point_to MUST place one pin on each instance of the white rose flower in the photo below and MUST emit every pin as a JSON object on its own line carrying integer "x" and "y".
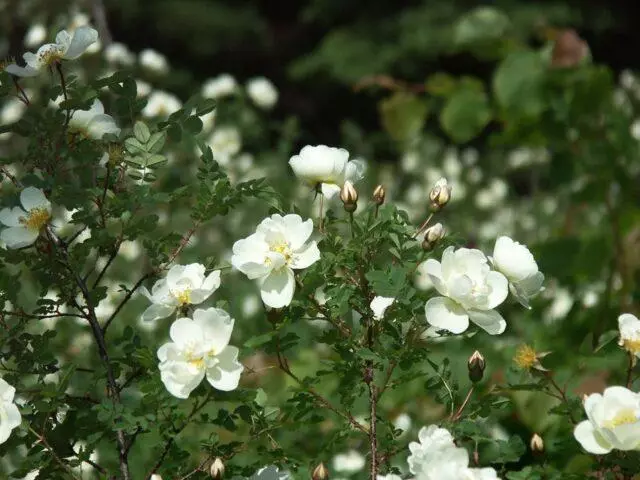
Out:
{"x": 225, "y": 142}
{"x": 221, "y": 86}
{"x": 24, "y": 224}
{"x": 349, "y": 462}
{"x": 161, "y": 104}
{"x": 10, "y": 416}
{"x": 93, "y": 123}
{"x": 200, "y": 348}
{"x": 262, "y": 92}
{"x": 389, "y": 476}
{"x": 153, "y": 61}
{"x": 119, "y": 53}
{"x": 629, "y": 327}
{"x": 379, "y": 305}
{"x": 279, "y": 246}
{"x": 516, "y": 263}
{"x": 183, "y": 285}
{"x": 487, "y": 473}
{"x": 470, "y": 289}
{"x": 67, "y": 47}
{"x": 328, "y": 166}
{"x": 613, "y": 421}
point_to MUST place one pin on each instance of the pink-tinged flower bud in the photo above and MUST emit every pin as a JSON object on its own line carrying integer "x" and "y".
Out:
{"x": 217, "y": 469}
{"x": 536, "y": 443}
{"x": 349, "y": 196}
{"x": 320, "y": 472}
{"x": 432, "y": 236}
{"x": 379, "y": 195}
{"x": 439, "y": 195}
{"x": 476, "y": 366}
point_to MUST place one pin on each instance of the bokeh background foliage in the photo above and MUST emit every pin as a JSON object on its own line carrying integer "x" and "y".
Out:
{"x": 532, "y": 122}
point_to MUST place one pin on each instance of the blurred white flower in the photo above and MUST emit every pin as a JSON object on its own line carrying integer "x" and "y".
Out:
{"x": 629, "y": 327}
{"x": 93, "y": 123}
{"x": 155, "y": 476}
{"x": 199, "y": 348}
{"x": 389, "y": 476}
{"x": 250, "y": 305}
{"x": 635, "y": 129}
{"x": 487, "y": 473}
{"x": 24, "y": 224}
{"x": 470, "y": 289}
{"x": 161, "y": 104}
{"x": 225, "y": 142}
{"x": 67, "y": 47}
{"x": 613, "y": 421}
{"x": 11, "y": 112}
{"x": 328, "y": 166}
{"x": 516, "y": 263}
{"x": 262, "y": 92}
{"x": 421, "y": 279}
{"x": 561, "y": 304}
{"x": 183, "y": 285}
{"x": 10, "y": 416}
{"x": 119, "y": 53}
{"x": 474, "y": 174}
{"x": 451, "y": 164}
{"x": 221, "y": 86}
{"x": 35, "y": 35}
{"x": 402, "y": 422}
{"x": 142, "y": 88}
{"x": 208, "y": 120}
{"x": 153, "y": 61}
{"x": 410, "y": 161}
{"x": 379, "y": 305}
{"x": 349, "y": 462}
{"x": 279, "y": 245}
{"x": 435, "y": 456}
{"x": 270, "y": 473}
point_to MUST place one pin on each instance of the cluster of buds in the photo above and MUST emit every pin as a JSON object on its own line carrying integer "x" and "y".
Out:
{"x": 476, "y": 366}
{"x": 349, "y": 196}
{"x": 432, "y": 236}
{"x": 439, "y": 195}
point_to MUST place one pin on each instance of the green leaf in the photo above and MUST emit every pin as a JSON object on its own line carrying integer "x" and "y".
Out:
{"x": 465, "y": 115}
{"x": 403, "y": 115}
{"x": 156, "y": 142}
{"x": 480, "y": 25}
{"x": 193, "y": 125}
{"x": 134, "y": 147}
{"x": 518, "y": 84}
{"x": 141, "y": 132}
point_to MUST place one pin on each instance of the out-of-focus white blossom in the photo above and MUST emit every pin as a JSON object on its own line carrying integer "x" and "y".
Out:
{"x": 119, "y": 54}
{"x": 161, "y": 104}
{"x": 221, "y": 86}
{"x": 349, "y": 462}
{"x": 225, "y": 142}
{"x": 629, "y": 327}
{"x": 153, "y": 61}
{"x": 36, "y": 34}
{"x": 93, "y": 123}
{"x": 613, "y": 421}
{"x": 262, "y": 92}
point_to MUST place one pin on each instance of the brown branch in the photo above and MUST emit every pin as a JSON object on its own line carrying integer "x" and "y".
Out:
{"x": 124, "y": 301}
{"x": 458, "y": 414}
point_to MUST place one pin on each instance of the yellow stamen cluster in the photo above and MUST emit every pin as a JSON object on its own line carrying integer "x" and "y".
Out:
{"x": 48, "y": 56}
{"x": 526, "y": 357}
{"x": 183, "y": 297}
{"x": 626, "y": 416}
{"x": 632, "y": 346}
{"x": 284, "y": 250}
{"x": 36, "y": 219}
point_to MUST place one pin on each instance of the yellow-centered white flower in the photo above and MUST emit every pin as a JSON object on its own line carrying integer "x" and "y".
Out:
{"x": 516, "y": 262}
{"x": 200, "y": 348}
{"x": 24, "y": 224}
{"x": 66, "y": 47}
{"x": 613, "y": 421}
{"x": 328, "y": 166}
{"x": 183, "y": 285}
{"x": 93, "y": 123}
{"x": 10, "y": 416}
{"x": 470, "y": 289}
{"x": 629, "y": 327}
{"x": 279, "y": 246}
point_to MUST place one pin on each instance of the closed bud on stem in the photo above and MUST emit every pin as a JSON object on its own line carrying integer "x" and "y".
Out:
{"x": 320, "y": 472}
{"x": 155, "y": 476}
{"x": 432, "y": 236}
{"x": 349, "y": 196}
{"x": 476, "y": 365}
{"x": 439, "y": 195}
{"x": 217, "y": 469}
{"x": 536, "y": 443}
{"x": 379, "y": 195}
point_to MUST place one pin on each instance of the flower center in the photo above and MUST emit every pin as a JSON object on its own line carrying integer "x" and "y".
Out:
{"x": 632, "y": 346}
{"x": 526, "y": 357}
{"x": 50, "y": 55}
{"x": 35, "y": 219}
{"x": 183, "y": 296}
{"x": 284, "y": 250}
{"x": 626, "y": 416}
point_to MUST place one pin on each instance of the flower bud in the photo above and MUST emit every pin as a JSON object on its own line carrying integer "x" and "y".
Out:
{"x": 432, "y": 236}
{"x": 217, "y": 469}
{"x": 536, "y": 443}
{"x": 320, "y": 472}
{"x": 155, "y": 476}
{"x": 379, "y": 195}
{"x": 349, "y": 196}
{"x": 476, "y": 365}
{"x": 439, "y": 195}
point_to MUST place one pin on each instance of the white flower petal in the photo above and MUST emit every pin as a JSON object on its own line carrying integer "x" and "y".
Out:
{"x": 82, "y": 38}
{"x": 32, "y": 197}
{"x": 19, "y": 71}
{"x": 156, "y": 312}
{"x": 330, "y": 190}
{"x": 489, "y": 320}
{"x": 11, "y": 216}
{"x": 444, "y": 313}
{"x": 433, "y": 269}
{"x": 225, "y": 375}
{"x": 18, "y": 237}
{"x": 590, "y": 441}
{"x": 216, "y": 326}
{"x": 185, "y": 332}
{"x": 379, "y": 306}
{"x": 305, "y": 257}
{"x": 499, "y": 289}
{"x": 277, "y": 288}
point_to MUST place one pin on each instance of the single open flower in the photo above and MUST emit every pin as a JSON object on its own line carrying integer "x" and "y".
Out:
{"x": 328, "y": 167}
{"x": 613, "y": 421}
{"x": 516, "y": 263}
{"x": 67, "y": 47}
{"x": 200, "y": 348}
{"x": 279, "y": 246}
{"x": 25, "y": 223}
{"x": 183, "y": 285}
{"x": 10, "y": 416}
{"x": 379, "y": 306}
{"x": 93, "y": 123}
{"x": 221, "y": 86}
{"x": 262, "y": 92}
{"x": 470, "y": 289}
{"x": 629, "y": 327}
